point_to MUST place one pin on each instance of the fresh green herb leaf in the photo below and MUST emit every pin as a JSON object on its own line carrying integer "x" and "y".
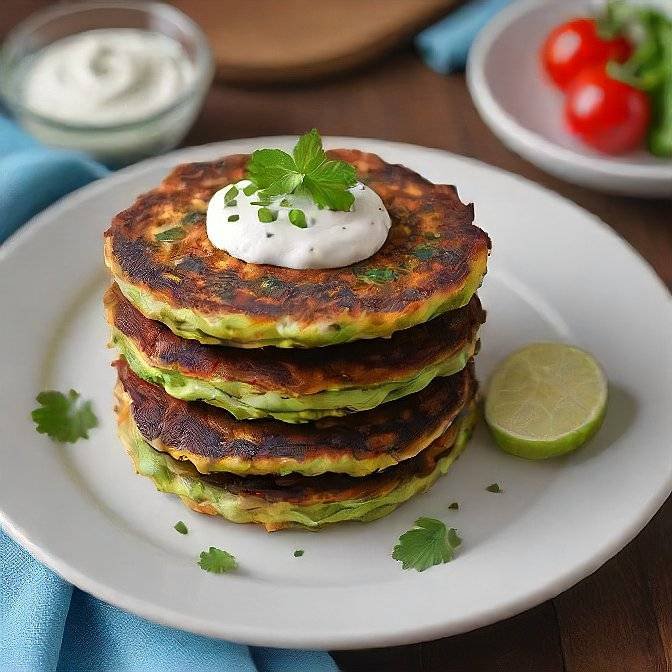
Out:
{"x": 191, "y": 218}
{"x": 171, "y": 235}
{"x": 250, "y": 189}
{"x": 181, "y": 527}
{"x": 454, "y": 506}
{"x": 378, "y": 276}
{"x": 494, "y": 487}
{"x": 424, "y": 252}
{"x": 308, "y": 153}
{"x": 429, "y": 543}
{"x": 231, "y": 194}
{"x": 328, "y": 185}
{"x": 298, "y": 218}
{"x": 298, "y": 552}
{"x": 233, "y": 218}
{"x": 265, "y": 215}
{"x": 63, "y": 417}
{"x": 307, "y": 172}
{"x": 217, "y": 561}
{"x": 274, "y": 172}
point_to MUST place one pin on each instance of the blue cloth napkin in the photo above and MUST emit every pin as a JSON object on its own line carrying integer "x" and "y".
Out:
{"x": 33, "y": 176}
{"x": 47, "y": 625}
{"x": 445, "y": 45}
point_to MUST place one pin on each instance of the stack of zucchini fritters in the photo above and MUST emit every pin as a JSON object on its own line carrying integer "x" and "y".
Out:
{"x": 295, "y": 397}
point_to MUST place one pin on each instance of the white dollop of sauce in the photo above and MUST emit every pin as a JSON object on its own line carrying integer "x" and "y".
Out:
{"x": 107, "y": 77}
{"x": 331, "y": 238}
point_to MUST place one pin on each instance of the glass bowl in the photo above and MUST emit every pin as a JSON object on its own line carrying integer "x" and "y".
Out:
{"x": 119, "y": 144}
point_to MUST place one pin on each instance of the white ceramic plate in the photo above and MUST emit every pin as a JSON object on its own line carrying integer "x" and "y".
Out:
{"x": 525, "y": 111}
{"x": 556, "y": 273}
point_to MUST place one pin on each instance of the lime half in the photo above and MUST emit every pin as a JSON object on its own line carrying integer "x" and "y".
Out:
{"x": 545, "y": 400}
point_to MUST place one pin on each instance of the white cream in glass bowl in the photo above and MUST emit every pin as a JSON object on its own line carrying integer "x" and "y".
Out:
{"x": 119, "y": 81}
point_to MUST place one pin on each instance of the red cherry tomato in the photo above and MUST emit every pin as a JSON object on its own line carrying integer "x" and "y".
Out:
{"x": 606, "y": 114}
{"x": 575, "y": 45}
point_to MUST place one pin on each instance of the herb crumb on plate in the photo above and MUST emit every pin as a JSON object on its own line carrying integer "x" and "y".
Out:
{"x": 217, "y": 561}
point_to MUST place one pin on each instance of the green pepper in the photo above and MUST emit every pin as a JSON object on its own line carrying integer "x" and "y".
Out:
{"x": 649, "y": 68}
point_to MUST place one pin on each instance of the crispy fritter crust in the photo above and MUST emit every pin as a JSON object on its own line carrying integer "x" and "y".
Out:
{"x": 357, "y": 444}
{"x": 433, "y": 254}
{"x": 294, "y": 372}
{"x": 298, "y": 490}
{"x": 327, "y": 488}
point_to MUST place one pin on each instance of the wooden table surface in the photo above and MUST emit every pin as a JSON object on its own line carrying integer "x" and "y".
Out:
{"x": 620, "y": 618}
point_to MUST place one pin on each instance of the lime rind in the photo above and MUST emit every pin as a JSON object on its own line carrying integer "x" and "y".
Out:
{"x": 541, "y": 450}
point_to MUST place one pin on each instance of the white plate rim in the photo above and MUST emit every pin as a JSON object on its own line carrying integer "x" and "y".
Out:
{"x": 410, "y": 634}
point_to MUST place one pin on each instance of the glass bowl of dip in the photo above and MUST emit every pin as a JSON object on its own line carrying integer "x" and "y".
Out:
{"x": 120, "y": 81}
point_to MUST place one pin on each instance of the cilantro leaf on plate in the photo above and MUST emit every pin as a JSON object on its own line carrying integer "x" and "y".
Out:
{"x": 217, "y": 561}
{"x": 63, "y": 417}
{"x": 306, "y": 172}
{"x": 429, "y": 543}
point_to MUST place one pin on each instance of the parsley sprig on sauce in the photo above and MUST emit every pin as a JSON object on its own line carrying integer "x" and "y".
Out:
{"x": 306, "y": 172}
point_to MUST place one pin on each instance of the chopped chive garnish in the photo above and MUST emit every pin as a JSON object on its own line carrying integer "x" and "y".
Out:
{"x": 171, "y": 235}
{"x": 181, "y": 527}
{"x": 377, "y": 275}
{"x": 190, "y": 218}
{"x": 298, "y": 552}
{"x": 250, "y": 189}
{"x": 265, "y": 215}
{"x": 284, "y": 203}
{"x": 494, "y": 487}
{"x": 234, "y": 218}
{"x": 298, "y": 218}
{"x": 454, "y": 506}
{"x": 231, "y": 194}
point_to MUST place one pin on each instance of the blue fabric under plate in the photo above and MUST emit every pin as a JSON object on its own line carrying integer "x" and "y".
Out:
{"x": 47, "y": 625}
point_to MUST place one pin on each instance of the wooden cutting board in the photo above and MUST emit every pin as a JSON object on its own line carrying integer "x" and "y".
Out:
{"x": 267, "y": 41}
